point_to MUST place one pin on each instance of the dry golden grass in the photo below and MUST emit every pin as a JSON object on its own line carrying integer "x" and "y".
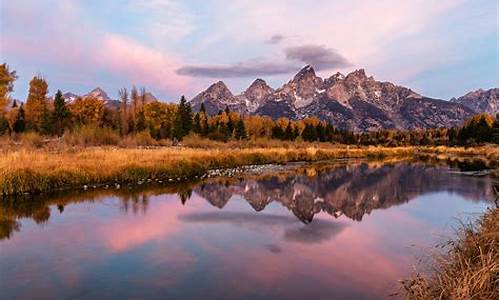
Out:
{"x": 467, "y": 270}
{"x": 48, "y": 169}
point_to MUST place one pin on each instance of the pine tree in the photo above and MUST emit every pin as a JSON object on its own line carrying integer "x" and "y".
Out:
{"x": 19, "y": 123}
{"x": 230, "y": 127}
{"x": 277, "y": 132}
{"x": 61, "y": 114}
{"x": 309, "y": 134}
{"x": 494, "y": 133}
{"x": 205, "y": 128}
{"x": 240, "y": 131}
{"x": 289, "y": 132}
{"x": 183, "y": 119}
{"x": 46, "y": 123}
{"x": 197, "y": 123}
{"x": 202, "y": 109}
{"x": 320, "y": 132}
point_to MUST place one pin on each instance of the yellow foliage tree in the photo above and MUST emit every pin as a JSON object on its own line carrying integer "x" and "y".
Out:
{"x": 159, "y": 118}
{"x": 87, "y": 110}
{"x": 7, "y": 78}
{"x": 36, "y": 103}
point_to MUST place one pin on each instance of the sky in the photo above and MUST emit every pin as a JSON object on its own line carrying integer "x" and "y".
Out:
{"x": 441, "y": 49}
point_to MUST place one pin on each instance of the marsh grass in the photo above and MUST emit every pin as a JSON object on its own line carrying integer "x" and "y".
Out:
{"x": 49, "y": 169}
{"x": 466, "y": 269}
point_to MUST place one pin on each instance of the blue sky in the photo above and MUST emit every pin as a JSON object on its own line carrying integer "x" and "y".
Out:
{"x": 440, "y": 49}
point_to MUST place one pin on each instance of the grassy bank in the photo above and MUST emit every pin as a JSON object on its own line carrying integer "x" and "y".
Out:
{"x": 44, "y": 170}
{"x": 467, "y": 270}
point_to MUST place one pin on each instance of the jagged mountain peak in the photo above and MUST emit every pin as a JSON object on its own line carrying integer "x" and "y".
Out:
{"x": 307, "y": 71}
{"x": 357, "y": 75}
{"x": 98, "y": 93}
{"x": 258, "y": 83}
{"x": 69, "y": 96}
{"x": 480, "y": 101}
{"x": 258, "y": 86}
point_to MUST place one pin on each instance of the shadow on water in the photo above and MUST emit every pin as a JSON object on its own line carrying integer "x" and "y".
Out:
{"x": 351, "y": 189}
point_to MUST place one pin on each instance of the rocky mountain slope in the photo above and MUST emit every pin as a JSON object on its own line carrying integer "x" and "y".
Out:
{"x": 480, "y": 101}
{"x": 354, "y": 101}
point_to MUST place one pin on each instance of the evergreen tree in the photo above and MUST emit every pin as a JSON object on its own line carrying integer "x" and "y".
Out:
{"x": 61, "y": 114}
{"x": 309, "y": 134}
{"x": 296, "y": 133}
{"x": 494, "y": 133}
{"x": 277, "y": 132}
{"x": 202, "y": 109}
{"x": 288, "y": 134}
{"x": 4, "y": 125}
{"x": 240, "y": 132}
{"x": 320, "y": 132}
{"x": 329, "y": 132}
{"x": 205, "y": 128}
{"x": 230, "y": 127}
{"x": 197, "y": 124}
{"x": 46, "y": 123}
{"x": 183, "y": 119}
{"x": 19, "y": 123}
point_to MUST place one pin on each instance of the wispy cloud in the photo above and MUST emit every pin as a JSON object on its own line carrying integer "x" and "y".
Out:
{"x": 276, "y": 39}
{"x": 243, "y": 69}
{"x": 318, "y": 56}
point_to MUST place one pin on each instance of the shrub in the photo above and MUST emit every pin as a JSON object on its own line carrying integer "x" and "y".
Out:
{"x": 142, "y": 138}
{"x": 91, "y": 135}
{"x": 32, "y": 139}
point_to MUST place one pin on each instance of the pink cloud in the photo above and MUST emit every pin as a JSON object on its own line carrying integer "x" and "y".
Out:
{"x": 64, "y": 46}
{"x": 140, "y": 63}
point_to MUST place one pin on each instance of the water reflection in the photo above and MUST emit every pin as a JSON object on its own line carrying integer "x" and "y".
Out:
{"x": 352, "y": 190}
{"x": 306, "y": 231}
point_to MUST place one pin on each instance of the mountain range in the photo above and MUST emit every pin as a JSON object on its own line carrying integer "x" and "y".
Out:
{"x": 354, "y": 101}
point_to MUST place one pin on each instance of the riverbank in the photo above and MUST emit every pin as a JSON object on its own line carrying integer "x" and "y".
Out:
{"x": 468, "y": 269}
{"x": 45, "y": 170}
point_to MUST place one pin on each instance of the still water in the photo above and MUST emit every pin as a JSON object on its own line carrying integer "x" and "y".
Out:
{"x": 347, "y": 230}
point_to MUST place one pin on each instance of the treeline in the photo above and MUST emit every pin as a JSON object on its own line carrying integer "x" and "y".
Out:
{"x": 161, "y": 121}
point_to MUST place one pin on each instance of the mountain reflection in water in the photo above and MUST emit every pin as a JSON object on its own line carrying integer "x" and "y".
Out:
{"x": 352, "y": 190}
{"x": 348, "y": 230}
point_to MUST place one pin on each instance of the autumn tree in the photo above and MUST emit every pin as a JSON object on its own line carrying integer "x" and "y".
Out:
{"x": 124, "y": 115}
{"x": 159, "y": 118}
{"x": 7, "y": 78}
{"x": 36, "y": 103}
{"x": 87, "y": 111}
{"x": 140, "y": 122}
